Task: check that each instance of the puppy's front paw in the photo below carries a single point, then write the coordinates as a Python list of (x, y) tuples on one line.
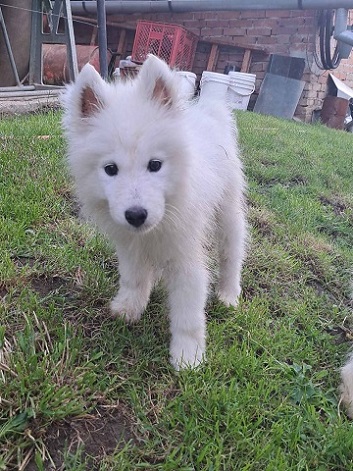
[(229, 298), (127, 305), (187, 351)]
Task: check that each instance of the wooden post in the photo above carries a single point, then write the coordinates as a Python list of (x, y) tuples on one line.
[(212, 60), (245, 66)]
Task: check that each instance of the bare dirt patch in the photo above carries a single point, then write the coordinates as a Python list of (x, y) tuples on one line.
[(262, 220), (98, 434), (3, 290), (337, 205), (295, 181), (44, 285), (341, 334), (22, 261)]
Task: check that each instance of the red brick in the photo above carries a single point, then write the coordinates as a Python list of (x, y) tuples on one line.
[(311, 21), (212, 31), (299, 38), (234, 31), (241, 23), (183, 16), (298, 47), (266, 23), (305, 29), (250, 39), (284, 22), (282, 38), (191, 24), (226, 15), (196, 31), (210, 15), (260, 31), (200, 15), (259, 78), (285, 29), (221, 23), (277, 13), (264, 41), (303, 14), (253, 14), (280, 49), (257, 68)]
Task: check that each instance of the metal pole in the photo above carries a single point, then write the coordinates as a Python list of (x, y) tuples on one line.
[(70, 38), (102, 38), (9, 49)]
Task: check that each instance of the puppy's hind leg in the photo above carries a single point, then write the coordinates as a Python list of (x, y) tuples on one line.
[(232, 246)]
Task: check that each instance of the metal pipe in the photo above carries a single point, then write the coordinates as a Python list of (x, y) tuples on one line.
[(122, 6), (180, 6), (15, 90), (341, 32), (197, 5), (102, 38)]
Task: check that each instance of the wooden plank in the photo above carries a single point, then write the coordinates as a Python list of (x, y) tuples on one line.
[(94, 36), (240, 45), (245, 66), (122, 42), (212, 59)]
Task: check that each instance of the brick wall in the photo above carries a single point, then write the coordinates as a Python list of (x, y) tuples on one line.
[(286, 32)]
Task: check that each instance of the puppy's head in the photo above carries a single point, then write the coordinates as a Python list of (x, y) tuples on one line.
[(127, 144)]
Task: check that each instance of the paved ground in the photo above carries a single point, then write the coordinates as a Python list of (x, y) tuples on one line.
[(29, 101)]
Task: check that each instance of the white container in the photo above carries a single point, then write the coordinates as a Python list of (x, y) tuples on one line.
[(241, 87), (187, 83), (214, 85)]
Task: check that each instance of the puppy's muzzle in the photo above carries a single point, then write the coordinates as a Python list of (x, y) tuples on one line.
[(136, 216)]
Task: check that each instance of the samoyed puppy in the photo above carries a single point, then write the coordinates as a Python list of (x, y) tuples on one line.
[(161, 177), (346, 386)]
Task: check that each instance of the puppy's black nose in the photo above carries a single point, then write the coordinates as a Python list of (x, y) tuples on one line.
[(136, 216)]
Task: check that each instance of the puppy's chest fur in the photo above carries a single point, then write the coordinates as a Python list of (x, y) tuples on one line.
[(167, 245)]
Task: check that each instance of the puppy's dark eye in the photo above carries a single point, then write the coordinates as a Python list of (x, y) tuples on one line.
[(111, 170), (154, 165)]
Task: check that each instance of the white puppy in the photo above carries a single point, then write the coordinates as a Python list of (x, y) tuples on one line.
[(346, 387), (161, 177)]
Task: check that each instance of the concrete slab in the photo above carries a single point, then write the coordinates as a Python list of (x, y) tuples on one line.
[(22, 102)]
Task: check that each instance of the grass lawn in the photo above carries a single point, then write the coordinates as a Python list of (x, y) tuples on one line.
[(82, 391)]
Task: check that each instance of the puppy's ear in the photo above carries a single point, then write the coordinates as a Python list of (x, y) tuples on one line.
[(162, 93), (90, 89), (89, 102), (84, 97), (157, 80)]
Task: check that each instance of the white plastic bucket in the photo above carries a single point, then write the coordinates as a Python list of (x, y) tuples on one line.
[(241, 87), (214, 85), (187, 83)]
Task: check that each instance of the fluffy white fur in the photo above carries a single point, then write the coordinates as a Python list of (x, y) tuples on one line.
[(196, 194), (346, 387)]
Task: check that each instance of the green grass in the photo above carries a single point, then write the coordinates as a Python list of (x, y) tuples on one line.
[(267, 397)]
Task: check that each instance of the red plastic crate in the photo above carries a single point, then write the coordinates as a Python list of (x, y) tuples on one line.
[(172, 43)]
